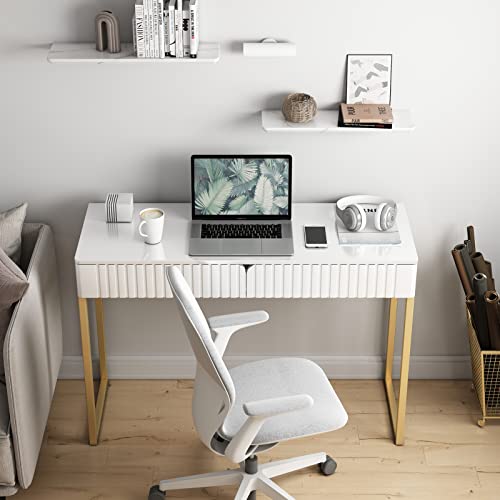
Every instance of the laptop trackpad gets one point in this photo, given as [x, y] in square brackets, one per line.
[241, 247]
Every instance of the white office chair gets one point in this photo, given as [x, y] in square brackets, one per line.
[242, 412]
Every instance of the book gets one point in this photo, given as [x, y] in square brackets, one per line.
[369, 236]
[185, 28]
[161, 28]
[146, 27]
[179, 47]
[165, 27]
[171, 27]
[365, 125]
[194, 27]
[134, 36]
[151, 39]
[139, 30]
[368, 114]
[151, 29]
[156, 39]
[156, 27]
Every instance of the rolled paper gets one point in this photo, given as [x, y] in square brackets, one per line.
[481, 266]
[470, 301]
[471, 236]
[469, 268]
[479, 285]
[490, 273]
[462, 272]
[492, 299]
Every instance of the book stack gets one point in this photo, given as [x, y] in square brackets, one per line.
[365, 116]
[166, 28]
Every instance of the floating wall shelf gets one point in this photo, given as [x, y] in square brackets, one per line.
[327, 121]
[86, 53]
[269, 47]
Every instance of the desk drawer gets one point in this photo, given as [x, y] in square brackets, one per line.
[330, 281]
[149, 280]
[258, 281]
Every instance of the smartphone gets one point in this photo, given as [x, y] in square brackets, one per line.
[315, 237]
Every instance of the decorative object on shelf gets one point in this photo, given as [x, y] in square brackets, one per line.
[119, 207]
[269, 47]
[299, 108]
[107, 28]
[365, 116]
[369, 78]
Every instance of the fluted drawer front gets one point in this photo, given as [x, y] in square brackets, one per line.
[257, 281]
[149, 280]
[330, 281]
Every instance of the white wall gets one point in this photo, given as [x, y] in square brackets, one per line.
[71, 133]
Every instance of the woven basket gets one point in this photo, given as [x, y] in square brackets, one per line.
[299, 108]
[486, 377]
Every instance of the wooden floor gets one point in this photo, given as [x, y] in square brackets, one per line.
[148, 435]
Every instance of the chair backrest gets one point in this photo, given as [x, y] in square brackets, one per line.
[214, 392]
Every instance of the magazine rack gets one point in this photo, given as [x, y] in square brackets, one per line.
[486, 377]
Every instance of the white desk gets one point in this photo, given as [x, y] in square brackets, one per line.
[112, 261]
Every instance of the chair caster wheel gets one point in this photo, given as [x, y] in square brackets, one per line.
[481, 422]
[156, 494]
[328, 467]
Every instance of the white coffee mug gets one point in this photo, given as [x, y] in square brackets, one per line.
[153, 220]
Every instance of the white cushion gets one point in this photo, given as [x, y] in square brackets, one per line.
[272, 378]
[11, 226]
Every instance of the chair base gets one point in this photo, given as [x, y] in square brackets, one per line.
[260, 480]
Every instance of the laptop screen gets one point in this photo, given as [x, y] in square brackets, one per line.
[241, 187]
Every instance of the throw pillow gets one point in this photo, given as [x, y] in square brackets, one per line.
[13, 285]
[11, 225]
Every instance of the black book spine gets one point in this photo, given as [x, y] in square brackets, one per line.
[365, 125]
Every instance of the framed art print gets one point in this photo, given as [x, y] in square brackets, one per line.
[369, 78]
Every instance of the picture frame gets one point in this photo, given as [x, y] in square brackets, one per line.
[368, 79]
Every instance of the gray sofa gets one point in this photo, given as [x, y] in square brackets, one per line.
[32, 354]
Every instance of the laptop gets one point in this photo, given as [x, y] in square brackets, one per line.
[241, 205]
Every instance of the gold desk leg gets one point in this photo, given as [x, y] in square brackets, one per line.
[397, 409]
[94, 409]
[389, 360]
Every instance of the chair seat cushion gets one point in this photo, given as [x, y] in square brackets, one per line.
[272, 378]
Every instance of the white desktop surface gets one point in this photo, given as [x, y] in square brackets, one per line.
[120, 243]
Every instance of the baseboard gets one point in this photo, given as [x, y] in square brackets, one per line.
[336, 367]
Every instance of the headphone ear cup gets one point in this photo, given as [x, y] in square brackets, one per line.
[378, 217]
[387, 217]
[361, 218]
[352, 217]
[349, 218]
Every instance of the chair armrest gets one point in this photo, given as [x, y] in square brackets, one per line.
[224, 326]
[258, 412]
[277, 406]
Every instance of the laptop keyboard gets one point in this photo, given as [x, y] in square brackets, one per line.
[253, 231]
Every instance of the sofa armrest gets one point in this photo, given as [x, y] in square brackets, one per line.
[32, 356]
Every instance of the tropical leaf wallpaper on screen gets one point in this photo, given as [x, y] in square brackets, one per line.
[241, 186]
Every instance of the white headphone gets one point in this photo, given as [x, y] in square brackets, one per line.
[353, 215]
